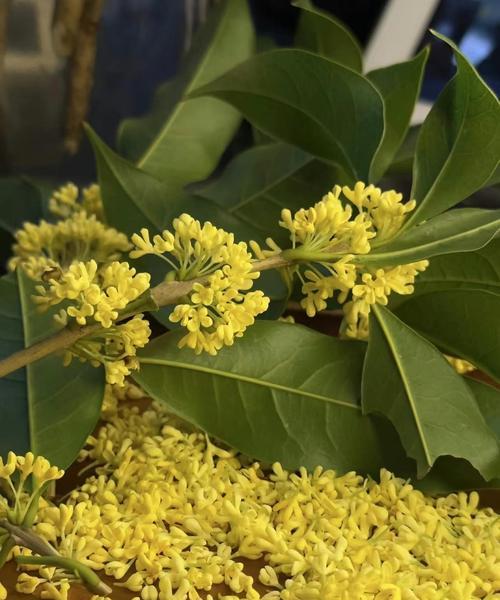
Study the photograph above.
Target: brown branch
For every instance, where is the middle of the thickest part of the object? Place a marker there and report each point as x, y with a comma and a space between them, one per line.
163, 294
82, 73
66, 24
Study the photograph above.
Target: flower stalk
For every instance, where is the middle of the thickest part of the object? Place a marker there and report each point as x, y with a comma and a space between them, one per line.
164, 294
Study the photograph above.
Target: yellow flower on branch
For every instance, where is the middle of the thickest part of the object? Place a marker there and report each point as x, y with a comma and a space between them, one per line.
95, 294
328, 244
115, 348
44, 249
220, 306
66, 201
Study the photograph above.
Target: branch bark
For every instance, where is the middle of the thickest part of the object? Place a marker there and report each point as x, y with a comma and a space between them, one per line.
166, 293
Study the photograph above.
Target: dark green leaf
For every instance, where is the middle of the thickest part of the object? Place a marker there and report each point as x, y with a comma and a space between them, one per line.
472, 270
495, 178
488, 399
21, 200
450, 474
319, 32
260, 182
45, 408
462, 322
408, 380
459, 230
309, 101
459, 143
181, 141
403, 161
282, 392
134, 199
399, 85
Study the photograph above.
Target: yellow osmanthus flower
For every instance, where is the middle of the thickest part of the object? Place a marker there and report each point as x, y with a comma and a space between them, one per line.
460, 365
219, 308
375, 288
49, 248
115, 348
3, 592
329, 242
66, 201
169, 514
94, 293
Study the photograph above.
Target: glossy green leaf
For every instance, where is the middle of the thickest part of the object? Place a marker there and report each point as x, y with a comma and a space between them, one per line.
459, 230
400, 86
409, 381
21, 200
263, 180
451, 474
403, 160
133, 199
462, 322
470, 270
459, 143
282, 392
309, 101
319, 32
488, 399
181, 141
45, 407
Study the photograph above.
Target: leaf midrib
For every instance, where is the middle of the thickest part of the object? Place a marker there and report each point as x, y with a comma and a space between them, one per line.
268, 187
392, 345
182, 104
228, 375
373, 257
28, 369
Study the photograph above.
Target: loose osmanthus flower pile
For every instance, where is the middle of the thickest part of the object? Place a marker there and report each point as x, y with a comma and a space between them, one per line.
169, 514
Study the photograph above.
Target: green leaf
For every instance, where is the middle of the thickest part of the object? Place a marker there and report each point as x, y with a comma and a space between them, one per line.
459, 230
459, 142
403, 160
451, 474
471, 270
181, 141
488, 399
399, 85
45, 408
409, 381
261, 181
309, 101
319, 32
462, 322
133, 199
281, 393
21, 200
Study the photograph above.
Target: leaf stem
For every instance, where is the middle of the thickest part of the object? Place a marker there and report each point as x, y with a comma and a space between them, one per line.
21, 536
168, 292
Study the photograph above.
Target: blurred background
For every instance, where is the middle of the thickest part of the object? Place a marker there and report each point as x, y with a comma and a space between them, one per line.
138, 44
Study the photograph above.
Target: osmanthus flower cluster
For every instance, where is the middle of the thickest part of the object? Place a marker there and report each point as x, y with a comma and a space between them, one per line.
67, 201
97, 296
48, 248
328, 243
220, 306
76, 263
169, 515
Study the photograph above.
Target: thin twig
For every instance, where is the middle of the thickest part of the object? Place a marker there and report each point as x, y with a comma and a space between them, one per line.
66, 24
163, 294
82, 73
